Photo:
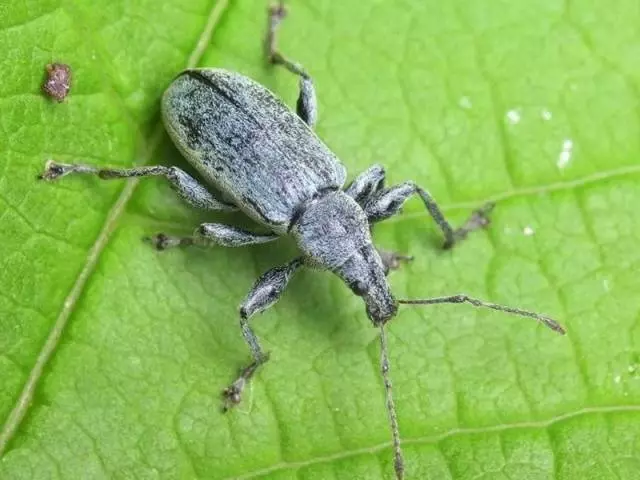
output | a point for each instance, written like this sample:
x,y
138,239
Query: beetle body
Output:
x,y
267,161
251,147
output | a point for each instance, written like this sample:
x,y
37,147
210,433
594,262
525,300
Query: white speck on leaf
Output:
x,y
528,231
513,117
617,379
546,115
465,102
565,154
632,368
605,285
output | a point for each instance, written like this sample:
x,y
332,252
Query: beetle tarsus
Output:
x,y
54,170
161,241
307,105
478,219
277,13
232,395
393,260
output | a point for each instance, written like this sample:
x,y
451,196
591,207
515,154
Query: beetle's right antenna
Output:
x,y
398,462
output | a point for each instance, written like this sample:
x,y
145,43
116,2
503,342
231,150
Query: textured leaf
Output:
x,y
113,356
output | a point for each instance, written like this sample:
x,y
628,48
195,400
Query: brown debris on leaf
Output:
x,y
58,81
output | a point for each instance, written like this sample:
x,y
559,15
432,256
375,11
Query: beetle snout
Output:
x,y
381,310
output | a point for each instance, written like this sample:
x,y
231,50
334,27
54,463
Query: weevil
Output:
x,y
264,160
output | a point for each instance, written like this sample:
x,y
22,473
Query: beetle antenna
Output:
x,y
398,461
546,321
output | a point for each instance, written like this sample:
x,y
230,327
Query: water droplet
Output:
x,y
565,154
465,102
513,117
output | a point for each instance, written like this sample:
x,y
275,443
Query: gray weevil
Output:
x,y
268,163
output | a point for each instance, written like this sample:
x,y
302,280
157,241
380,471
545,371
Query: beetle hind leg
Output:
x,y
187,187
307,105
209,234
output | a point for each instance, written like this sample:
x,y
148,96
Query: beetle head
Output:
x,y
333,233
364,275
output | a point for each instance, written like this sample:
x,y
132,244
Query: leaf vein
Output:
x,y
19,411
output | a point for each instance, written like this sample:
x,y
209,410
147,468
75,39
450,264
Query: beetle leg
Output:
x,y
392,260
307,105
212,234
387,203
194,193
367,184
265,292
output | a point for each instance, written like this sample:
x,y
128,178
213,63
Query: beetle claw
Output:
x,y
232,395
53,171
161,242
479,219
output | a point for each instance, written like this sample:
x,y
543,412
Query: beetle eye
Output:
x,y
358,287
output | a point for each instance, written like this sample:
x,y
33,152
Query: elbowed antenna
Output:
x,y
398,461
547,321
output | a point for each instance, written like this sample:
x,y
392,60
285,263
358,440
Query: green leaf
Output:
x,y
113,356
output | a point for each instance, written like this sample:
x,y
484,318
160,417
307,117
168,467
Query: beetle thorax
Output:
x,y
331,229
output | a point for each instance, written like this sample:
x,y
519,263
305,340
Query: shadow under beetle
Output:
x,y
268,163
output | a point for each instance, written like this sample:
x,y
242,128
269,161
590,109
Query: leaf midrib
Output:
x,y
18,412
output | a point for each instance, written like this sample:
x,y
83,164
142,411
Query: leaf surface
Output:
x,y
113,356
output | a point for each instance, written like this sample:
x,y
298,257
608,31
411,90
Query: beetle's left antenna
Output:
x,y
398,462
461,298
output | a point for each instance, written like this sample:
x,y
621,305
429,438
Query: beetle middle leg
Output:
x,y
265,292
380,203
307,105
211,234
184,184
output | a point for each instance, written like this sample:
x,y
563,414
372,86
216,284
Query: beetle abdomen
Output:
x,y
248,144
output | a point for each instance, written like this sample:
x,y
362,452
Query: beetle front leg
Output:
x,y
211,234
265,292
387,203
194,193
307,105
367,184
